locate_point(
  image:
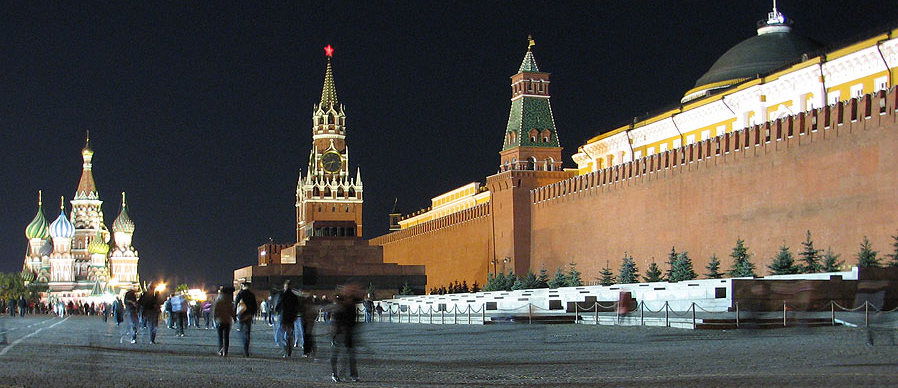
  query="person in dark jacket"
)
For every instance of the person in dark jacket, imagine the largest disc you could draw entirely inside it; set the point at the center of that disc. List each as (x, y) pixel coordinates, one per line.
(245, 313)
(287, 308)
(151, 308)
(223, 313)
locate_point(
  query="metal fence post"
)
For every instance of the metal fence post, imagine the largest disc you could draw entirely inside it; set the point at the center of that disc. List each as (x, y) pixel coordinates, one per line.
(832, 306)
(469, 314)
(419, 313)
(529, 313)
(455, 313)
(866, 313)
(391, 314)
(431, 314)
(737, 314)
(483, 313)
(641, 313)
(576, 312)
(443, 316)
(693, 315)
(596, 307)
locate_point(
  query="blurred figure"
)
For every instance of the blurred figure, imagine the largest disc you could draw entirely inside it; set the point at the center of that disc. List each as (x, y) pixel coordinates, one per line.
(131, 308)
(179, 309)
(207, 312)
(343, 316)
(287, 308)
(380, 312)
(152, 304)
(169, 315)
(369, 309)
(263, 308)
(245, 310)
(223, 313)
(117, 310)
(308, 315)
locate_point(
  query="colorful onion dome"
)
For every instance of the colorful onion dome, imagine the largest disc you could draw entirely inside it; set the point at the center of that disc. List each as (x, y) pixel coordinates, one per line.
(62, 227)
(123, 223)
(98, 246)
(38, 227)
(27, 275)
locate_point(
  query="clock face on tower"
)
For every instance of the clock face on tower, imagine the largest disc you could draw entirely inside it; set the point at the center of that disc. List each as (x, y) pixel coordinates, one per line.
(331, 162)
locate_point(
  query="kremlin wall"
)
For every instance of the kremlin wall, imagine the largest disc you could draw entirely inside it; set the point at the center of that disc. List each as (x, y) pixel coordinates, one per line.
(806, 142)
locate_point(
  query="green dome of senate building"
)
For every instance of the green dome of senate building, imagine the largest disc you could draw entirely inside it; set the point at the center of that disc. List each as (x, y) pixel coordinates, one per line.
(775, 46)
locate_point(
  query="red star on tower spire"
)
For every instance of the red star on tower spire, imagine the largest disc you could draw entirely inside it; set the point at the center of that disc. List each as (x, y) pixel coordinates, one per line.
(329, 51)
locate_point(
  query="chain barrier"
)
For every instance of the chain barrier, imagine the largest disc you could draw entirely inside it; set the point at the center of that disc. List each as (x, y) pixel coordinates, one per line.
(612, 310)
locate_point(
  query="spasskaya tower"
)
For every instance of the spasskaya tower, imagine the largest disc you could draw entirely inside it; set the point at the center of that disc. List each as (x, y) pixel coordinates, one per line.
(328, 199)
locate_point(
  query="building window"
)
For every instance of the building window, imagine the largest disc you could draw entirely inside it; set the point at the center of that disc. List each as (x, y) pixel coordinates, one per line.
(857, 91)
(833, 98)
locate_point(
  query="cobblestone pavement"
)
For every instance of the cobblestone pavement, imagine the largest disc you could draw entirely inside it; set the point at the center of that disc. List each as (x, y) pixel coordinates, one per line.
(83, 351)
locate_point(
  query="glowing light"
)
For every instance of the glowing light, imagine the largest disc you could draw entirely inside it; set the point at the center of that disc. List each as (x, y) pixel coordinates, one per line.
(160, 288)
(196, 294)
(329, 51)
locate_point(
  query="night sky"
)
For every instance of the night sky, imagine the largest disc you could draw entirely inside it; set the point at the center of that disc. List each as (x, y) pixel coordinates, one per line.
(201, 111)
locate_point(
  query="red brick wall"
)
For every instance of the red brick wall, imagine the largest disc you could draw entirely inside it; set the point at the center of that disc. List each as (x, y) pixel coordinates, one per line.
(840, 183)
(457, 247)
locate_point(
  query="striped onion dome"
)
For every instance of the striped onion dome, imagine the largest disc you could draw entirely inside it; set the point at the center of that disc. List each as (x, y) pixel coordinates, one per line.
(123, 223)
(62, 227)
(98, 245)
(38, 227)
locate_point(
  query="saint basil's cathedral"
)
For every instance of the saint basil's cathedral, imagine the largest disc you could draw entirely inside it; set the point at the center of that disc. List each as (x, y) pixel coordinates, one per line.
(76, 256)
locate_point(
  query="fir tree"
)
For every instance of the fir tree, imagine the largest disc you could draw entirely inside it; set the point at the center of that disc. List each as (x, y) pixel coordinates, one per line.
(783, 263)
(866, 257)
(543, 279)
(530, 281)
(713, 268)
(573, 276)
(682, 269)
(509, 281)
(831, 262)
(742, 267)
(518, 284)
(810, 256)
(475, 287)
(628, 271)
(607, 278)
(464, 286)
(559, 280)
(894, 254)
(406, 290)
(653, 274)
(671, 260)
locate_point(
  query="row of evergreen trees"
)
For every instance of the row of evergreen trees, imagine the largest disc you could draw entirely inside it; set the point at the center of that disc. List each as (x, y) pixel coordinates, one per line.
(811, 260)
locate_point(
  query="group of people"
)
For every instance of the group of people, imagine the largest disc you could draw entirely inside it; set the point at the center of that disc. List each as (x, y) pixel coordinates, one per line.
(293, 315)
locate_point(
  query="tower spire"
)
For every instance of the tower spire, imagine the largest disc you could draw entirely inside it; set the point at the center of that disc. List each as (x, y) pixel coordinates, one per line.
(87, 189)
(328, 92)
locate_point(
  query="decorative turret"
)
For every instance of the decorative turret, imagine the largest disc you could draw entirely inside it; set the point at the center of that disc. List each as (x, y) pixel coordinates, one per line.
(62, 231)
(123, 227)
(98, 247)
(531, 142)
(87, 189)
(38, 228)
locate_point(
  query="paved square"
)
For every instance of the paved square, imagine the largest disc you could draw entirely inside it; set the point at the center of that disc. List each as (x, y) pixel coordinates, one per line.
(84, 351)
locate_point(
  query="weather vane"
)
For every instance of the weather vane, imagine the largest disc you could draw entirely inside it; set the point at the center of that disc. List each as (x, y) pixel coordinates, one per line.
(329, 51)
(530, 42)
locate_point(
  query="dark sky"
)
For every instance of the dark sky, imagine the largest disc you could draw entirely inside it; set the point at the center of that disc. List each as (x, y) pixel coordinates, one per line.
(201, 111)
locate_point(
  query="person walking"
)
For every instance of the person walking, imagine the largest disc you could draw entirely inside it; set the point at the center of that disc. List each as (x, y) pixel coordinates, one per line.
(169, 315)
(344, 316)
(380, 312)
(179, 309)
(223, 313)
(131, 308)
(11, 306)
(116, 310)
(287, 308)
(245, 308)
(307, 319)
(152, 305)
(263, 308)
(207, 312)
(22, 305)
